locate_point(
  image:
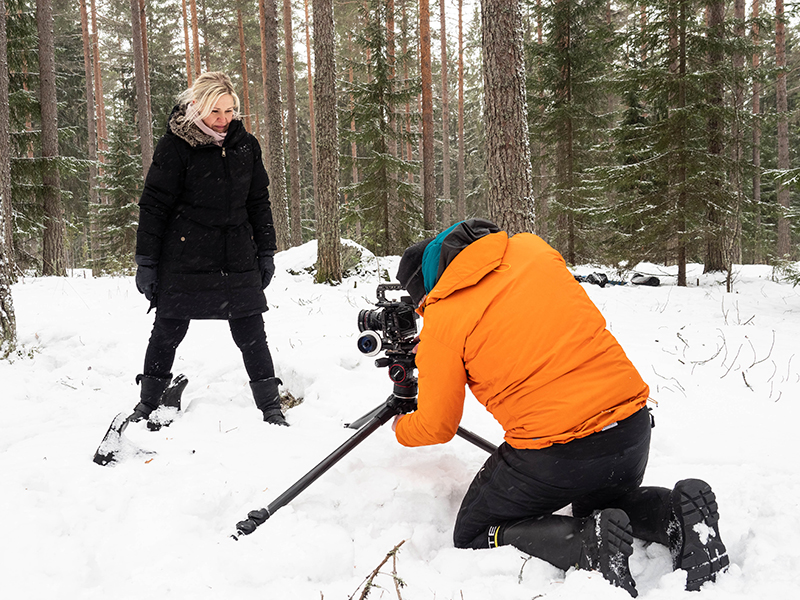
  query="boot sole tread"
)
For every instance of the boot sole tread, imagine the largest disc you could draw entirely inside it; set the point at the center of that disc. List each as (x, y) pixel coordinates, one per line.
(696, 509)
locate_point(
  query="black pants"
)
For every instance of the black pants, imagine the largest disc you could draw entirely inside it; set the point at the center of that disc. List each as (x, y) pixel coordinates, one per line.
(248, 334)
(603, 470)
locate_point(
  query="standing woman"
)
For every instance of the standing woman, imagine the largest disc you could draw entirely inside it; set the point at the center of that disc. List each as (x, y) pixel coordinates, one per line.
(206, 240)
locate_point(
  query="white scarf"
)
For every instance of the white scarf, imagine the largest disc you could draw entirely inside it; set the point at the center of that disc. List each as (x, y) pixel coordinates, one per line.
(217, 137)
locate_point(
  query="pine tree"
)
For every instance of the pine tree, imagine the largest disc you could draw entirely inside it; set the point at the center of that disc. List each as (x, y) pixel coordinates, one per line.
(378, 100)
(116, 219)
(569, 109)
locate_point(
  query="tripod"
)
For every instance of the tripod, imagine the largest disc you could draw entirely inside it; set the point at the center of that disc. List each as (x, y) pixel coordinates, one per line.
(403, 400)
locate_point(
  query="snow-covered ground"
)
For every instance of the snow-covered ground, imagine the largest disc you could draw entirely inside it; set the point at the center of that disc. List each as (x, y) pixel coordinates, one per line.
(723, 368)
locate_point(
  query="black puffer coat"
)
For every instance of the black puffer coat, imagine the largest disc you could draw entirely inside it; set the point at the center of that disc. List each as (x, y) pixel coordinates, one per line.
(204, 218)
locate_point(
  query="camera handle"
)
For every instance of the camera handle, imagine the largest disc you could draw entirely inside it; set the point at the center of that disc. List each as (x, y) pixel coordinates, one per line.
(398, 403)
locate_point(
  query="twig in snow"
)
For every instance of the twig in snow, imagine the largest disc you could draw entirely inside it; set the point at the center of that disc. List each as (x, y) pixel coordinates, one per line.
(524, 562)
(716, 354)
(745, 382)
(678, 383)
(368, 582)
(768, 354)
(733, 362)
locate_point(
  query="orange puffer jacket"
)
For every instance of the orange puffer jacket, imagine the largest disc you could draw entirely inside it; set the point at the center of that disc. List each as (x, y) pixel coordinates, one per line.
(508, 319)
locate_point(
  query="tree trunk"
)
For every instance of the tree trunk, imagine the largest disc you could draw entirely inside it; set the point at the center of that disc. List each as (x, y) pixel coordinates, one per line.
(396, 209)
(446, 217)
(759, 250)
(195, 38)
(680, 211)
(53, 252)
(428, 171)
(716, 237)
(329, 267)
(312, 120)
(734, 222)
(274, 118)
(541, 201)
(8, 322)
(784, 232)
(245, 80)
(291, 129)
(145, 56)
(102, 128)
(508, 164)
(461, 204)
(564, 146)
(186, 44)
(142, 101)
(92, 135)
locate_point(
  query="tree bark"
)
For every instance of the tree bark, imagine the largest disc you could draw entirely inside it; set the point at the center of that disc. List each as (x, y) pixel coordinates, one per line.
(92, 135)
(446, 212)
(680, 211)
(186, 44)
(274, 118)
(716, 258)
(508, 164)
(312, 120)
(142, 101)
(329, 267)
(245, 80)
(759, 250)
(291, 129)
(102, 128)
(145, 56)
(428, 170)
(461, 204)
(195, 38)
(783, 249)
(53, 252)
(8, 322)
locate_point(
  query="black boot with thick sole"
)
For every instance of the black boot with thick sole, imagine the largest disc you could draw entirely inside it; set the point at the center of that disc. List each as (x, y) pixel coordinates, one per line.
(268, 400)
(601, 542)
(607, 539)
(693, 530)
(149, 397)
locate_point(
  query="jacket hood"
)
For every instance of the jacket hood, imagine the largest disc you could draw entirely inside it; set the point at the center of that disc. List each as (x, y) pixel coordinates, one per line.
(185, 129)
(461, 256)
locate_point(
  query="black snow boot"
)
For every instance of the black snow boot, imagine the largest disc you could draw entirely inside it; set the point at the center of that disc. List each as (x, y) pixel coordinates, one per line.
(150, 396)
(601, 542)
(268, 400)
(693, 530)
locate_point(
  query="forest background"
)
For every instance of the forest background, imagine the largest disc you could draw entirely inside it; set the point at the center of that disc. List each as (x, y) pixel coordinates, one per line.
(620, 132)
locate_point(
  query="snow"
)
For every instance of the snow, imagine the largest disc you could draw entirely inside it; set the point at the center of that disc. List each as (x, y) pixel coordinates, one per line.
(723, 369)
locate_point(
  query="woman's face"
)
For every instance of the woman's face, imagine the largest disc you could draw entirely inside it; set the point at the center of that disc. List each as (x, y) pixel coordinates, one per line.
(221, 115)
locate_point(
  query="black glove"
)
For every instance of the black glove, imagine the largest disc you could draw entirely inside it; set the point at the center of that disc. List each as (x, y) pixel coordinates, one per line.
(147, 276)
(266, 264)
(147, 281)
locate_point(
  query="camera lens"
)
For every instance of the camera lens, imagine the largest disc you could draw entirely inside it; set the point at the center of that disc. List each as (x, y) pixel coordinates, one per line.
(370, 320)
(369, 343)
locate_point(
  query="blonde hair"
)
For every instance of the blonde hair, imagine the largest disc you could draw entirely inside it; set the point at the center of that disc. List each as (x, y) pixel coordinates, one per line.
(208, 88)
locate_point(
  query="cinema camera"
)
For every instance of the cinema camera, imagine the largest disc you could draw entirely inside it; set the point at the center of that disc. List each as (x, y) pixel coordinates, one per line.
(397, 320)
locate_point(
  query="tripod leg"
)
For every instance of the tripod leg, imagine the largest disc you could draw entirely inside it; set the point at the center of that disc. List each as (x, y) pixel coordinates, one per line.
(476, 439)
(359, 422)
(257, 517)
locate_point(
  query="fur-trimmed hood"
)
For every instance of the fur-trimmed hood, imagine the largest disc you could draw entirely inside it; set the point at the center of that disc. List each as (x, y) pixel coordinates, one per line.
(186, 129)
